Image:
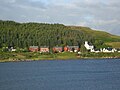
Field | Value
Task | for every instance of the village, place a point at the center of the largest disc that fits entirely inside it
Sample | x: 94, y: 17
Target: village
x: 57, y: 49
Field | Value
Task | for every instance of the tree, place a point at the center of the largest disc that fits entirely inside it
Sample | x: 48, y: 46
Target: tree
x: 83, y: 49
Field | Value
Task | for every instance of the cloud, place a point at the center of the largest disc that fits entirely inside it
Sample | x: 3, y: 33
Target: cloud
x: 21, y: 10
x: 99, y: 14
x: 23, y: 3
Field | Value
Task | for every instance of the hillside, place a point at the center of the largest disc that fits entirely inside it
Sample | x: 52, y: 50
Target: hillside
x: 113, y: 44
x: 99, y: 35
x: 22, y: 35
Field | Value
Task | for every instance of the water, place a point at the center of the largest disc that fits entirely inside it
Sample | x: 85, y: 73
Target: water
x: 61, y: 75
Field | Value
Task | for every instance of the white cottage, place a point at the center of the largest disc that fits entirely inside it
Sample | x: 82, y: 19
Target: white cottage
x: 88, y: 46
x: 107, y: 50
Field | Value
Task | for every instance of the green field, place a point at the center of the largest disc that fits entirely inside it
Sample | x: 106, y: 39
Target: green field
x: 30, y: 56
x: 98, y: 35
x: 113, y: 44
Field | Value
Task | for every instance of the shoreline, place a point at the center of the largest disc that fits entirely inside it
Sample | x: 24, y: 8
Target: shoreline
x: 29, y: 60
x: 33, y: 56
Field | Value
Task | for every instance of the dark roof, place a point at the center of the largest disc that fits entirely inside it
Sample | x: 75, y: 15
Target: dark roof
x: 73, y: 46
x: 57, y: 47
x: 110, y: 49
x: 118, y: 49
x: 90, y: 44
x: 33, y: 46
x: 44, y: 46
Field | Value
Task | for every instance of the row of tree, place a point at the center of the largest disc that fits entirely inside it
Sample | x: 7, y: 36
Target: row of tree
x: 22, y: 35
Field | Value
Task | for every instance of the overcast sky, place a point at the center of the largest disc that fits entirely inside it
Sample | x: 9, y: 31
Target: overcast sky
x: 97, y: 14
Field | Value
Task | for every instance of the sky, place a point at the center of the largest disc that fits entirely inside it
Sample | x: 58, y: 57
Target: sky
x: 97, y: 14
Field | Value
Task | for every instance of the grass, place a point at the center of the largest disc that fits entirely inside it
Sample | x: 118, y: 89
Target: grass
x: 66, y: 55
x: 113, y: 44
x: 99, y: 35
x: 20, y: 56
x: 28, y: 56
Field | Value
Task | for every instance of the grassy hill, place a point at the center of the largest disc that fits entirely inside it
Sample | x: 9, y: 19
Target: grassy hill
x: 22, y: 35
x: 99, y: 35
x: 113, y: 44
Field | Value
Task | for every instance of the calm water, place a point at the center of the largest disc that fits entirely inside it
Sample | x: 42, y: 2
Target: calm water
x: 61, y: 75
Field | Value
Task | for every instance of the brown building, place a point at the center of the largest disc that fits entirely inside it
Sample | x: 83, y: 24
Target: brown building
x: 44, y: 49
x: 65, y: 48
x: 33, y: 48
x: 71, y: 48
x: 57, y: 49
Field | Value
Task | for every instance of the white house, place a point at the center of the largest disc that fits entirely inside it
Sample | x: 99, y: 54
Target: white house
x: 88, y: 46
x: 108, y: 50
x: 12, y: 49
